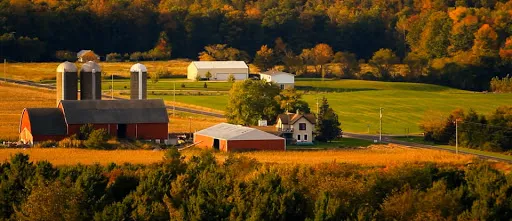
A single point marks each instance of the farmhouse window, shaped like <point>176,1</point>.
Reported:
<point>282,86</point>
<point>305,137</point>
<point>302,126</point>
<point>298,137</point>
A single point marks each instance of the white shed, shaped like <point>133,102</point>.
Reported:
<point>220,70</point>
<point>283,79</point>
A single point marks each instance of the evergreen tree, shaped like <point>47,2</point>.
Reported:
<point>328,125</point>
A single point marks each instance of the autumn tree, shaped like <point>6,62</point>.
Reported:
<point>162,49</point>
<point>383,60</point>
<point>348,64</point>
<point>485,44</point>
<point>221,52</point>
<point>307,58</point>
<point>506,50</point>
<point>265,58</point>
<point>322,54</point>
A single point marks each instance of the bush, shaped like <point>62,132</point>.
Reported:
<point>198,78</point>
<point>70,142</point>
<point>65,55</point>
<point>85,130</point>
<point>98,140</point>
<point>46,144</point>
<point>136,56</point>
<point>183,85</point>
<point>205,85</point>
<point>231,78</point>
<point>114,57</point>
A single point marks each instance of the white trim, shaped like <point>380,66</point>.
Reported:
<point>63,85</point>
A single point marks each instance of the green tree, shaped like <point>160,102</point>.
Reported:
<point>155,76</point>
<point>290,100</point>
<point>328,126</point>
<point>54,201</point>
<point>208,75</point>
<point>97,140</point>
<point>383,60</point>
<point>231,78</point>
<point>265,58</point>
<point>250,101</point>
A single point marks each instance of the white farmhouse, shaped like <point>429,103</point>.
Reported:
<point>220,70</point>
<point>283,79</point>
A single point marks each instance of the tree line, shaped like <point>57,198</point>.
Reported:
<point>461,43</point>
<point>240,188</point>
<point>489,133</point>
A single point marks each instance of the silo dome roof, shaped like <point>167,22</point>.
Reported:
<point>89,66</point>
<point>68,66</point>
<point>138,67</point>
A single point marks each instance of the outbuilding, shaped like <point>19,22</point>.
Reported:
<point>229,137</point>
<point>219,70</point>
<point>283,79</point>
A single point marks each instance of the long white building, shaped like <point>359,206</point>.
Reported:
<point>220,70</point>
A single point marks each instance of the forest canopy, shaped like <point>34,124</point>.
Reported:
<point>468,41</point>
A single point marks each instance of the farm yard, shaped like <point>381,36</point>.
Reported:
<point>375,155</point>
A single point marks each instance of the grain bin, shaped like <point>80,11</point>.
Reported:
<point>67,82</point>
<point>90,81</point>
<point>138,82</point>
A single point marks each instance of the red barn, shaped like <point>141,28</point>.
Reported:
<point>229,137</point>
<point>134,119</point>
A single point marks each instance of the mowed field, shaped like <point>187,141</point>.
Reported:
<point>13,98</point>
<point>357,102</point>
<point>377,155</point>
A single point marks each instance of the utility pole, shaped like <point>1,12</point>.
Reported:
<point>190,126</point>
<point>380,131</point>
<point>317,110</point>
<point>456,137</point>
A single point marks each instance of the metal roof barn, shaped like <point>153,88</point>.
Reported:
<point>220,70</point>
<point>229,137</point>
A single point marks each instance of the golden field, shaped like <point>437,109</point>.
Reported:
<point>13,98</point>
<point>377,155</point>
<point>47,70</point>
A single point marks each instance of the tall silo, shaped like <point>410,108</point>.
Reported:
<point>138,82</point>
<point>67,82</point>
<point>90,81</point>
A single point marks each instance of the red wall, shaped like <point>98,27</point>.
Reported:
<point>246,145</point>
<point>240,145</point>
<point>139,131</point>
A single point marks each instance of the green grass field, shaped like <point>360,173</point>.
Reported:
<point>169,84</point>
<point>405,104</point>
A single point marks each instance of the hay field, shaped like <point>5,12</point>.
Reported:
<point>376,155</point>
<point>46,70</point>
<point>185,122</point>
<point>13,98</point>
